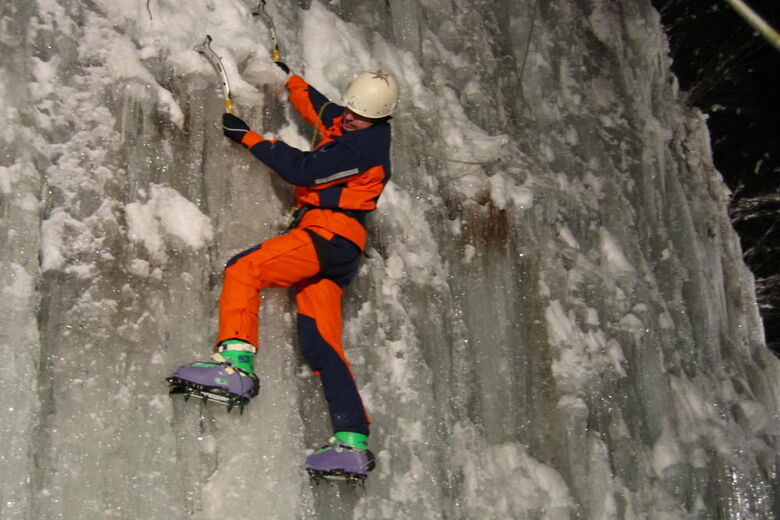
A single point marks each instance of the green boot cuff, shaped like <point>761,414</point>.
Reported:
<point>243,360</point>
<point>356,440</point>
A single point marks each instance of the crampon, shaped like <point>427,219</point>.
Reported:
<point>354,479</point>
<point>339,462</point>
<point>211,394</point>
<point>219,381</point>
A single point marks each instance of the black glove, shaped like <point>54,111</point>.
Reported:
<point>233,127</point>
<point>282,65</point>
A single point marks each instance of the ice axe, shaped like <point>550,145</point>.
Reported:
<point>260,11</point>
<point>205,49</point>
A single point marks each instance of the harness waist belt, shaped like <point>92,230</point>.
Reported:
<point>357,214</point>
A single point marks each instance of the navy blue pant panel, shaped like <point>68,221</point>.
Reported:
<point>339,258</point>
<point>341,393</point>
<point>339,261</point>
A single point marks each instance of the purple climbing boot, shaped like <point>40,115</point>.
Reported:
<point>228,378</point>
<point>346,457</point>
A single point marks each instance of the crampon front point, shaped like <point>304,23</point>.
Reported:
<point>210,394</point>
<point>354,479</point>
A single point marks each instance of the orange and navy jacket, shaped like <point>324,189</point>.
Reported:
<point>345,171</point>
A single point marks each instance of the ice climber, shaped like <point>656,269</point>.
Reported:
<point>336,185</point>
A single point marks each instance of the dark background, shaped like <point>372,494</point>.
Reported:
<point>732,74</point>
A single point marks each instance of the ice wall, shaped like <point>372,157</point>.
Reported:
<point>555,321</point>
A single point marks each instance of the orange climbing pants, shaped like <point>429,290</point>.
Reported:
<point>318,268</point>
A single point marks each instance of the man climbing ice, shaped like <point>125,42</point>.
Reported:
<point>336,185</point>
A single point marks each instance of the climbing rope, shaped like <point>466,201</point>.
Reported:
<point>318,123</point>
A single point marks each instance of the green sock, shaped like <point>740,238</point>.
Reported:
<point>243,358</point>
<point>356,440</point>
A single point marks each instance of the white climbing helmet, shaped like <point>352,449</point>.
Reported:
<point>373,94</point>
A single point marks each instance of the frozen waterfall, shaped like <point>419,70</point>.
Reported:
<point>555,321</point>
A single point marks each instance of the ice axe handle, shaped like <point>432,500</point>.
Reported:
<point>206,50</point>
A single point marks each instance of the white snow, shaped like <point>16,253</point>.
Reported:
<point>167,214</point>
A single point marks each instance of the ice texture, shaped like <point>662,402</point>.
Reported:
<point>554,320</point>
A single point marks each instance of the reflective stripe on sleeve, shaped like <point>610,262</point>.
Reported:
<point>337,176</point>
